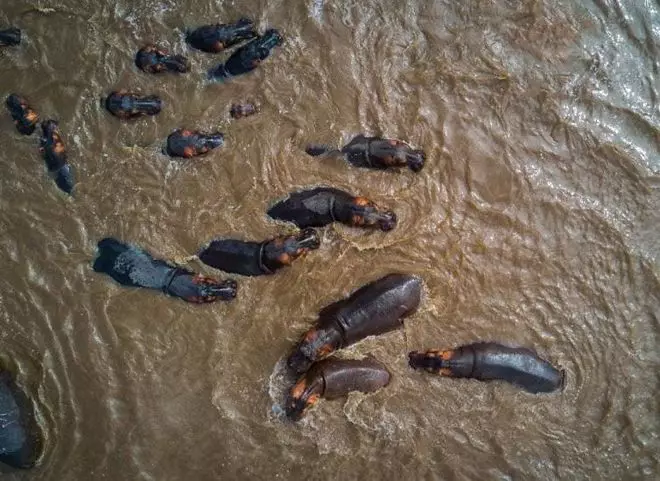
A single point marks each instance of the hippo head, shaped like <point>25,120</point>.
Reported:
<point>306,392</point>
<point>434,361</point>
<point>315,345</point>
<point>416,160</point>
<point>366,213</point>
<point>210,290</point>
<point>198,289</point>
<point>282,251</point>
<point>270,39</point>
<point>212,140</point>
<point>49,127</point>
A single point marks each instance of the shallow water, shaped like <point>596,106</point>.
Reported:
<point>535,222</point>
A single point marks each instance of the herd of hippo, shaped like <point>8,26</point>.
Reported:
<point>374,309</point>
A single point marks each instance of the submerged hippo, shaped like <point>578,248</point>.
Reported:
<point>258,258</point>
<point>10,37</point>
<point>20,439</point>
<point>488,361</point>
<point>132,266</point>
<point>25,117</point>
<point>191,143</point>
<point>54,153</point>
<point>126,105</point>
<point>375,153</point>
<point>324,205</point>
<point>152,59</point>
<point>248,57</point>
<point>374,309</point>
<point>218,37</point>
<point>335,378</point>
<point>238,111</point>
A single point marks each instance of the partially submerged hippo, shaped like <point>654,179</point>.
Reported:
<point>132,266</point>
<point>374,309</point>
<point>324,205</point>
<point>20,437</point>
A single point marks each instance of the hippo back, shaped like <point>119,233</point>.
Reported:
<point>518,365</point>
<point>131,266</point>
<point>376,308</point>
<point>309,208</point>
<point>234,256</point>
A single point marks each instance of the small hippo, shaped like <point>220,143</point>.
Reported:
<point>191,143</point>
<point>127,105</point>
<point>218,37</point>
<point>375,153</point>
<point>25,118</point>
<point>152,59</point>
<point>248,57</point>
<point>54,153</point>
<point>239,111</point>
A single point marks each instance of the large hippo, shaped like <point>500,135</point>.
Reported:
<point>132,266</point>
<point>332,379</point>
<point>258,258</point>
<point>20,438</point>
<point>374,309</point>
<point>152,59</point>
<point>489,361</point>
<point>375,153</point>
<point>191,143</point>
<point>127,105</point>
<point>25,117</point>
<point>54,153</point>
<point>247,57</point>
<point>10,37</point>
<point>218,37</point>
<point>324,205</point>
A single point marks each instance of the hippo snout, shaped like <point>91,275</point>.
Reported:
<point>416,160</point>
<point>387,221</point>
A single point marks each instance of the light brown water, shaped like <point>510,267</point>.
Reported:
<point>534,223</point>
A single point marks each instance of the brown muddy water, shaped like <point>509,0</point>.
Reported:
<point>535,222</point>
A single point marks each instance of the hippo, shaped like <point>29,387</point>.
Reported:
<point>375,153</point>
<point>25,118</point>
<point>248,57</point>
<point>132,266</point>
<point>238,111</point>
<point>10,37</point>
<point>374,309</point>
<point>126,105</point>
<point>20,436</point>
<point>54,153</point>
<point>191,143</point>
<point>258,258</point>
<point>151,59</point>
<point>324,205</point>
<point>489,361</point>
<point>218,37</point>
<point>332,379</point>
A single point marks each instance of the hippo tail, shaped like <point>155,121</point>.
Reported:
<point>109,249</point>
<point>318,149</point>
